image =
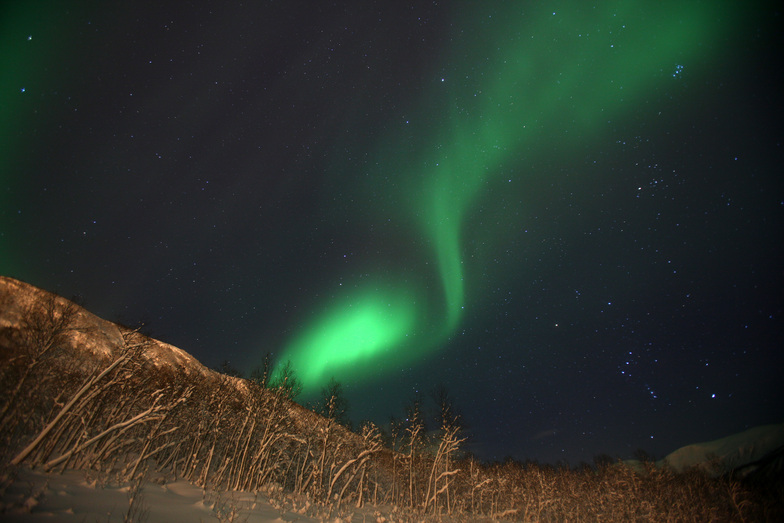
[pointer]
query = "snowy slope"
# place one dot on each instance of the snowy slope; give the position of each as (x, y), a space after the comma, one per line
(738, 452)
(90, 333)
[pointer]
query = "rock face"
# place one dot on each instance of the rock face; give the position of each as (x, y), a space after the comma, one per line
(88, 332)
(91, 333)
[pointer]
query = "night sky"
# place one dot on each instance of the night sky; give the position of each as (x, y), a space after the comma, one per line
(568, 214)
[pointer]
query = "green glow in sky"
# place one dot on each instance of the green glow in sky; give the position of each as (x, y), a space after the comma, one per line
(25, 60)
(516, 79)
(534, 77)
(363, 328)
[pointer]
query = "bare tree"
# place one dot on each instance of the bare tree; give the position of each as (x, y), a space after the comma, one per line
(396, 427)
(261, 373)
(441, 471)
(82, 401)
(228, 369)
(287, 380)
(414, 430)
(270, 439)
(45, 326)
(333, 404)
(371, 444)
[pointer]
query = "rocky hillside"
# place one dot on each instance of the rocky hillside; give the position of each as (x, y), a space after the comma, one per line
(81, 392)
(91, 335)
(93, 340)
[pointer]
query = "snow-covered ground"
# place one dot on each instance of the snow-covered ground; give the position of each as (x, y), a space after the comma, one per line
(76, 496)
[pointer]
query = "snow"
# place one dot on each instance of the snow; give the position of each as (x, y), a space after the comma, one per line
(75, 497)
(740, 453)
(731, 452)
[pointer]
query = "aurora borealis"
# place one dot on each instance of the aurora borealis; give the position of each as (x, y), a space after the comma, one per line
(577, 67)
(568, 213)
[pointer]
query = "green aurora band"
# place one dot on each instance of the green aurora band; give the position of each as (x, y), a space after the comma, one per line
(24, 62)
(518, 76)
(354, 332)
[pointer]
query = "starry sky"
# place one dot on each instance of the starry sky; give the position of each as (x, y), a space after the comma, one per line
(567, 213)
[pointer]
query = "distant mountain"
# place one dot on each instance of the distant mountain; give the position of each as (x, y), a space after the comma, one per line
(744, 453)
(758, 451)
